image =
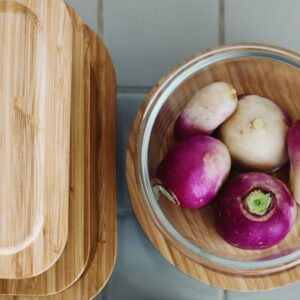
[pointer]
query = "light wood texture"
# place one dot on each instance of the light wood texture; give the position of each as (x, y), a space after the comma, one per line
(103, 160)
(78, 249)
(34, 134)
(277, 81)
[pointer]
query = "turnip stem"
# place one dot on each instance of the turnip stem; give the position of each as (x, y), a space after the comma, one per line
(258, 202)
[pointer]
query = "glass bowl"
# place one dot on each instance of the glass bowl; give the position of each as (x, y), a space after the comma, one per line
(251, 68)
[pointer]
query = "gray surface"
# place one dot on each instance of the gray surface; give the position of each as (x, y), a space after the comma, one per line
(266, 21)
(141, 273)
(127, 107)
(147, 38)
(289, 293)
(88, 10)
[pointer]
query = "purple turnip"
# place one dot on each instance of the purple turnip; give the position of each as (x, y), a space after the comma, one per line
(193, 171)
(293, 142)
(207, 109)
(254, 211)
(255, 134)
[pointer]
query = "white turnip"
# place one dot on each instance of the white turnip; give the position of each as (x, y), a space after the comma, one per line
(207, 109)
(255, 134)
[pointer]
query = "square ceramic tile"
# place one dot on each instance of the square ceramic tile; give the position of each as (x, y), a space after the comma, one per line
(147, 38)
(142, 273)
(88, 10)
(266, 21)
(291, 292)
(127, 107)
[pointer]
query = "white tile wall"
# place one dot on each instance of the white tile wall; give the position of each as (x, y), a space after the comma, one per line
(127, 107)
(88, 10)
(147, 38)
(266, 21)
(289, 293)
(142, 274)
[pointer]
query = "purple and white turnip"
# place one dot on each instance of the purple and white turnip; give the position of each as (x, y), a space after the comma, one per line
(293, 142)
(255, 134)
(207, 109)
(193, 171)
(254, 211)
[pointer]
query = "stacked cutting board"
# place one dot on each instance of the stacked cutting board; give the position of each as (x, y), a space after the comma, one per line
(57, 149)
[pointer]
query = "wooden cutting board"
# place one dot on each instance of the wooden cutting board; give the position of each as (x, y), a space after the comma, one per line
(73, 260)
(35, 106)
(103, 145)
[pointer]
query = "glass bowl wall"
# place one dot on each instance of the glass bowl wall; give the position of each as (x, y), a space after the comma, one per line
(257, 69)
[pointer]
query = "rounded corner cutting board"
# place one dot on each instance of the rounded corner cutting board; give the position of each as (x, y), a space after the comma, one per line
(103, 158)
(35, 104)
(82, 198)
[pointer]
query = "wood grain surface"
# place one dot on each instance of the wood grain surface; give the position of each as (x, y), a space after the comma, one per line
(275, 80)
(34, 135)
(103, 143)
(75, 256)
(103, 173)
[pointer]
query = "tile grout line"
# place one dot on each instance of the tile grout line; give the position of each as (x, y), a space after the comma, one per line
(133, 89)
(125, 213)
(221, 22)
(224, 295)
(100, 18)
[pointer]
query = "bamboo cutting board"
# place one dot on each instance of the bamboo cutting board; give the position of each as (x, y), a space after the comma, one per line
(34, 134)
(78, 249)
(102, 134)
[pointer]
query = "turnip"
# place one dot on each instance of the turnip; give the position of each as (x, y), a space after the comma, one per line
(255, 134)
(293, 142)
(207, 109)
(193, 171)
(254, 211)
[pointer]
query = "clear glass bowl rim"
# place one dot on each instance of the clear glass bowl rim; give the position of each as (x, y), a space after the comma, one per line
(157, 98)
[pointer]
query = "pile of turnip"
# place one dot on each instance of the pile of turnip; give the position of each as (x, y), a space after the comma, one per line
(254, 210)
